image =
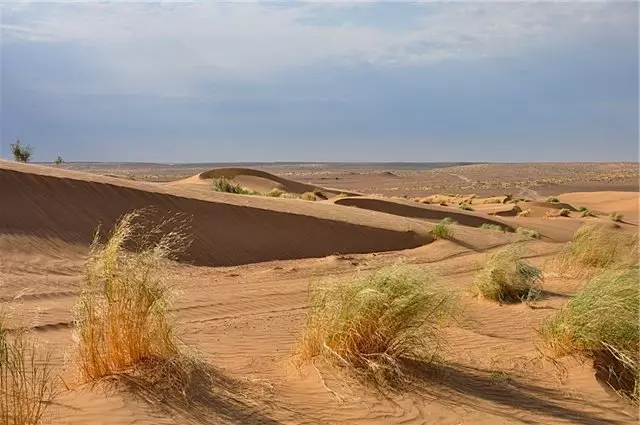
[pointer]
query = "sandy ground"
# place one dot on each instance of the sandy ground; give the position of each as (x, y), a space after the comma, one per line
(243, 301)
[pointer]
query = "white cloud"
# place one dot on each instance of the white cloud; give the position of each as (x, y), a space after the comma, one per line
(173, 47)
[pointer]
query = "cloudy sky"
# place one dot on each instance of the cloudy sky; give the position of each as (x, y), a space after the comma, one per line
(343, 81)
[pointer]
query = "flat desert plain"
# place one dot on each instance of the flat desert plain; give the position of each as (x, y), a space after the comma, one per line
(243, 284)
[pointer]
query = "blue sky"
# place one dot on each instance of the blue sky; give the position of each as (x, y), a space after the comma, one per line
(344, 81)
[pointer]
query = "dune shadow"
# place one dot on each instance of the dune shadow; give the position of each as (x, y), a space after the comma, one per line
(460, 385)
(197, 393)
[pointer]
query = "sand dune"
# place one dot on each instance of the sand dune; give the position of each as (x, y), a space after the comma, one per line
(415, 210)
(228, 229)
(257, 180)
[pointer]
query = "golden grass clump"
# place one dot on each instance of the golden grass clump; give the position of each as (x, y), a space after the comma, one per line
(597, 247)
(444, 228)
(524, 213)
(616, 216)
(492, 227)
(601, 322)
(528, 232)
(371, 323)
(275, 193)
(466, 207)
(27, 385)
(564, 212)
(308, 196)
(122, 315)
(505, 277)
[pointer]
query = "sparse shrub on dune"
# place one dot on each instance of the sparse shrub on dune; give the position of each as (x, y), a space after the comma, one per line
(583, 209)
(319, 194)
(616, 216)
(553, 199)
(493, 227)
(528, 232)
(506, 277)
(601, 322)
(372, 323)
(21, 153)
(222, 184)
(524, 213)
(444, 228)
(122, 315)
(308, 196)
(275, 193)
(595, 247)
(27, 384)
(466, 207)
(585, 213)
(564, 212)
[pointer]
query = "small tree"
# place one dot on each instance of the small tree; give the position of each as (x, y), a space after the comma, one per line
(21, 153)
(59, 161)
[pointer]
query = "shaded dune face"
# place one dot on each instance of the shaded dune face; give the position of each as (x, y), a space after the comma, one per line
(69, 209)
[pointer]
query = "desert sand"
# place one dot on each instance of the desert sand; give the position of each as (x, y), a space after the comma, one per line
(244, 286)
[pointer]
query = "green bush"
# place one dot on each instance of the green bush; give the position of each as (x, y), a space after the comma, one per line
(564, 212)
(493, 227)
(21, 153)
(553, 199)
(222, 184)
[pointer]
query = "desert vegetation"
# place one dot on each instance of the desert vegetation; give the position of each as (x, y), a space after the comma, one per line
(371, 323)
(506, 277)
(616, 216)
(223, 184)
(444, 228)
(122, 315)
(601, 323)
(553, 199)
(493, 227)
(20, 152)
(27, 384)
(595, 247)
(528, 232)
(564, 212)
(524, 213)
(466, 207)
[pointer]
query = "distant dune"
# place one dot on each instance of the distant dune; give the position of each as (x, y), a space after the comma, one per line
(228, 229)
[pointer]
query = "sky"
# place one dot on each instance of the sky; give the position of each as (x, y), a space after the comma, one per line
(320, 81)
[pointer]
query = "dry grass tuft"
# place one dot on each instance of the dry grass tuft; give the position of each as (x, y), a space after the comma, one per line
(601, 322)
(308, 196)
(492, 227)
(466, 207)
(564, 212)
(275, 193)
(27, 385)
(444, 228)
(122, 316)
(524, 213)
(505, 277)
(372, 323)
(553, 199)
(528, 232)
(595, 247)
(615, 216)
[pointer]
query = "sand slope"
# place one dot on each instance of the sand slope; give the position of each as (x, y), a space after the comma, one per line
(257, 180)
(228, 229)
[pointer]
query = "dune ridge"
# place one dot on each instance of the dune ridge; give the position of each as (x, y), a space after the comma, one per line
(228, 229)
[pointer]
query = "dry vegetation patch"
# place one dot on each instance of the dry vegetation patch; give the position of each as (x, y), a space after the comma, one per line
(506, 277)
(601, 322)
(372, 323)
(27, 384)
(122, 315)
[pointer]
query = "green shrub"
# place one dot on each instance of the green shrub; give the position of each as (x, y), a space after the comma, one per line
(444, 228)
(564, 212)
(583, 209)
(493, 227)
(466, 207)
(528, 232)
(585, 213)
(505, 277)
(21, 153)
(553, 199)
(371, 323)
(601, 322)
